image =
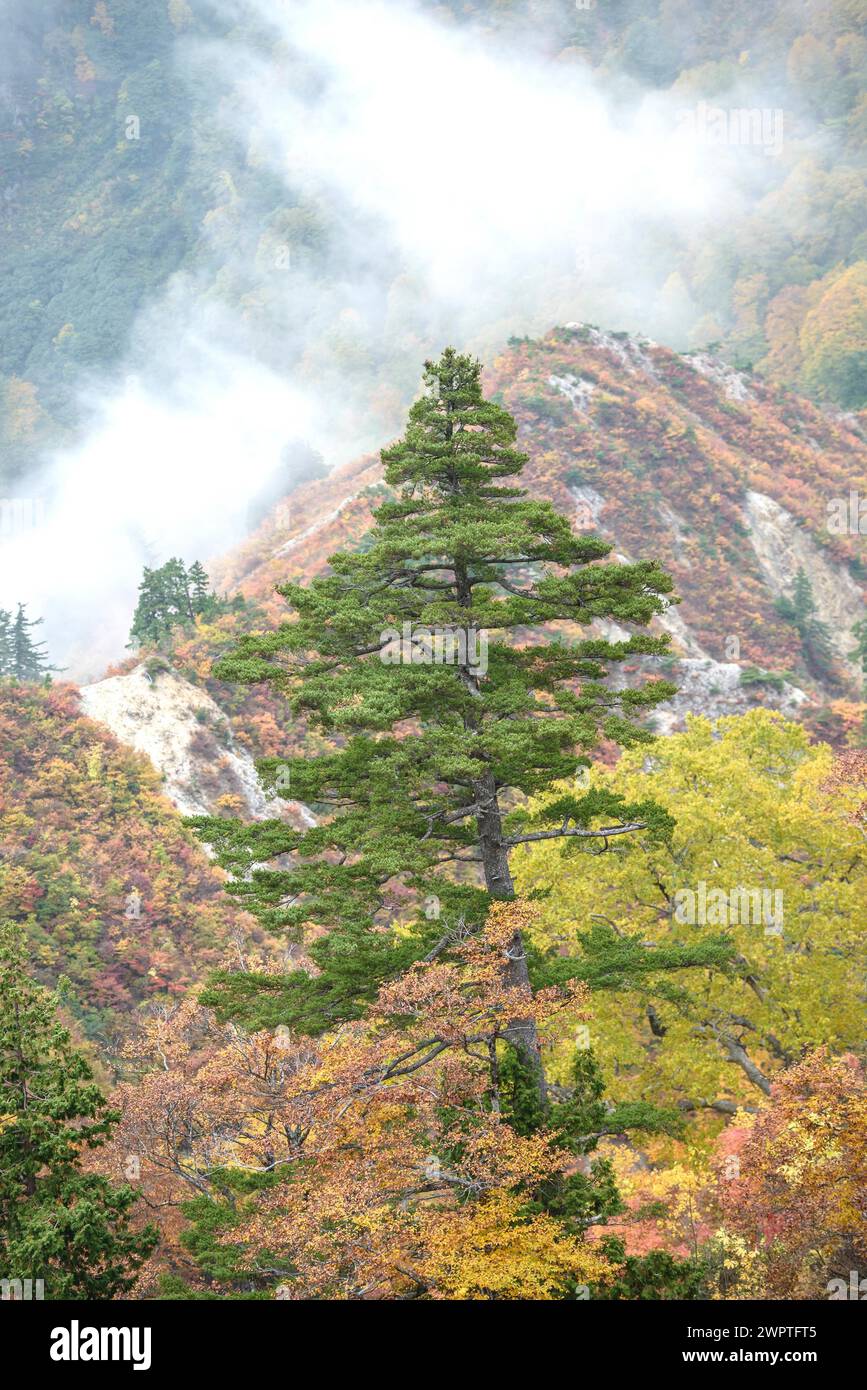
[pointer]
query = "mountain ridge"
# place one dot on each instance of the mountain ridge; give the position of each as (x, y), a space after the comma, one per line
(723, 477)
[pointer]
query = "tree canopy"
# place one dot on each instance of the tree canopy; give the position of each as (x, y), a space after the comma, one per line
(59, 1223)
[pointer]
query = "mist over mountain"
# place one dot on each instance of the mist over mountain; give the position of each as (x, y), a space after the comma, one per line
(231, 227)
(433, 667)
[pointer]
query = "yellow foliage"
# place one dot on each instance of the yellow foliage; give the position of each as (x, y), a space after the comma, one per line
(494, 1252)
(755, 813)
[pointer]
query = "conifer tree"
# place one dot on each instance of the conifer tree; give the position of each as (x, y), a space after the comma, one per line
(176, 590)
(799, 608)
(21, 658)
(200, 589)
(150, 621)
(5, 643)
(172, 596)
(58, 1223)
(164, 603)
(438, 747)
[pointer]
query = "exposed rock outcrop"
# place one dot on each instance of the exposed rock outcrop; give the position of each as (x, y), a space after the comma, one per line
(187, 738)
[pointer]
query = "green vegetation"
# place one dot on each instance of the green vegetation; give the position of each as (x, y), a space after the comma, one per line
(458, 557)
(174, 597)
(58, 1223)
(21, 658)
(799, 609)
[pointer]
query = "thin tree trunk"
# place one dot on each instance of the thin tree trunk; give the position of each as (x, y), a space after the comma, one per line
(521, 1031)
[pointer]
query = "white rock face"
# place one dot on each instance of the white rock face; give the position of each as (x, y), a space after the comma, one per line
(673, 623)
(576, 389)
(188, 739)
(317, 525)
(588, 508)
(713, 688)
(782, 548)
(735, 384)
(629, 349)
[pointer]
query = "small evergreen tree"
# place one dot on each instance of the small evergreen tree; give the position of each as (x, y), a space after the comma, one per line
(799, 608)
(5, 643)
(58, 1223)
(176, 590)
(200, 587)
(171, 597)
(149, 624)
(21, 658)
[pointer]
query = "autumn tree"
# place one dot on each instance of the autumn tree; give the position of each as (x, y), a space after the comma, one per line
(390, 1159)
(794, 1188)
(858, 654)
(58, 1223)
(834, 340)
(424, 656)
(770, 836)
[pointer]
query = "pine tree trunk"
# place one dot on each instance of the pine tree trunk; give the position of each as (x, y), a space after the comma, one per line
(521, 1032)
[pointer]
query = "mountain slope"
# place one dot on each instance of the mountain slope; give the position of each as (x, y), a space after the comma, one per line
(117, 173)
(181, 729)
(723, 477)
(115, 894)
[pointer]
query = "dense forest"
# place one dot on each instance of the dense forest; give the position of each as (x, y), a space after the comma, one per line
(452, 889)
(499, 970)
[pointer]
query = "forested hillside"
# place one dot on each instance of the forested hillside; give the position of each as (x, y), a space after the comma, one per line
(433, 656)
(113, 893)
(580, 1024)
(728, 477)
(118, 171)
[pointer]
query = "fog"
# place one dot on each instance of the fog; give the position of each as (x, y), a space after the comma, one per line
(475, 189)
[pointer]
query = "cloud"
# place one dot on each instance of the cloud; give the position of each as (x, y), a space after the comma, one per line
(157, 474)
(473, 189)
(496, 173)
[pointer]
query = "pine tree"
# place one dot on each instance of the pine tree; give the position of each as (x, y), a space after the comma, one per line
(5, 643)
(176, 590)
(58, 1223)
(164, 603)
(439, 747)
(171, 597)
(200, 587)
(25, 660)
(149, 625)
(799, 608)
